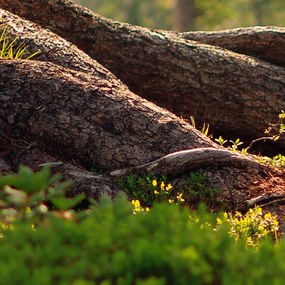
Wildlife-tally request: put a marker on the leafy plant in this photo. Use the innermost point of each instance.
(252, 226)
(196, 188)
(149, 189)
(114, 246)
(25, 195)
(277, 129)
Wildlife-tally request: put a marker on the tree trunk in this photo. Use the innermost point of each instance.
(67, 109)
(236, 94)
(185, 15)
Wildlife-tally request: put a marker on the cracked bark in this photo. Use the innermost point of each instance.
(71, 108)
(186, 77)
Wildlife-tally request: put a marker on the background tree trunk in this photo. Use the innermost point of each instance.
(230, 91)
(185, 13)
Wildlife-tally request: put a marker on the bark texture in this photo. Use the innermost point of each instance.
(88, 118)
(66, 109)
(235, 93)
(266, 43)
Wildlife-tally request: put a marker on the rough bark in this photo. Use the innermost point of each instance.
(85, 120)
(235, 93)
(69, 110)
(266, 43)
(88, 118)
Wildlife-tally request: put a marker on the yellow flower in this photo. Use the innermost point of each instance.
(168, 187)
(155, 192)
(162, 185)
(171, 201)
(179, 197)
(137, 206)
(154, 183)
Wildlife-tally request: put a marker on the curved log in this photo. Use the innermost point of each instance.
(230, 91)
(266, 43)
(177, 163)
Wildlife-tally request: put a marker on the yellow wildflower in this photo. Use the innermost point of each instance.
(168, 187)
(154, 183)
(179, 197)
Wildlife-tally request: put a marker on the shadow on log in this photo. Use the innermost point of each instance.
(230, 91)
(67, 109)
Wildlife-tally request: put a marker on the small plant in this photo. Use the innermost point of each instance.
(149, 189)
(235, 145)
(205, 128)
(24, 196)
(196, 188)
(276, 161)
(220, 141)
(253, 226)
(277, 129)
(231, 145)
(11, 49)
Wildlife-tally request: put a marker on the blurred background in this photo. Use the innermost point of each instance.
(190, 15)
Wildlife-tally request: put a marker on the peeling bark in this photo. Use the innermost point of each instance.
(234, 93)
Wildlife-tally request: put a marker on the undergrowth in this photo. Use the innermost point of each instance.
(46, 242)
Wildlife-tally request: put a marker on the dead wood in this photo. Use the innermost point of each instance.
(177, 163)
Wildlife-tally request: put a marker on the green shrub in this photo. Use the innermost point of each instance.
(108, 244)
(194, 187)
(114, 246)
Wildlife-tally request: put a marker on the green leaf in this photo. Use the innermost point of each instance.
(63, 203)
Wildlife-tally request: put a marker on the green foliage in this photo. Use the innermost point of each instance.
(11, 48)
(277, 129)
(23, 196)
(113, 246)
(253, 226)
(232, 145)
(209, 15)
(277, 160)
(148, 189)
(195, 187)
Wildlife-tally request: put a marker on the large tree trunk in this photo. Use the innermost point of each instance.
(66, 108)
(236, 94)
